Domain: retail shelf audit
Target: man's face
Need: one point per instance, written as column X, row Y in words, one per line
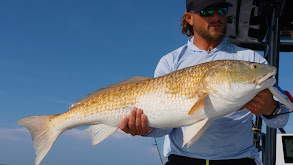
column 211, row 28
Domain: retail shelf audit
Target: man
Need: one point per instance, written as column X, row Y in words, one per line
column 228, row 140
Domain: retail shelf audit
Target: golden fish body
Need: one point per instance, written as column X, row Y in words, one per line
column 192, row 97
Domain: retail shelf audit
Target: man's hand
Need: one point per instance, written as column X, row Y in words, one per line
column 262, row 104
column 136, row 123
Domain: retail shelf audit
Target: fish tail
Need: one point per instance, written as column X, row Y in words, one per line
column 43, row 135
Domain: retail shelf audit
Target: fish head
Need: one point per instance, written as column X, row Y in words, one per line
column 234, row 79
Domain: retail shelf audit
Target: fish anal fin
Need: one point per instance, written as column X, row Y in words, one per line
column 193, row 132
column 199, row 104
column 100, row 132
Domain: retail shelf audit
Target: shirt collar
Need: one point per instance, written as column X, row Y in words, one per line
column 193, row 48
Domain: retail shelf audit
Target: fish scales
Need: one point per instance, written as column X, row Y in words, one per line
column 181, row 84
column 191, row 97
column 117, row 102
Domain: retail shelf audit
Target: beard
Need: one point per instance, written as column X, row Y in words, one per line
column 214, row 35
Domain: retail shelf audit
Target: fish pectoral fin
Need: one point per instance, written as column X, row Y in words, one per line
column 199, row 104
column 193, row 132
column 284, row 99
column 100, row 132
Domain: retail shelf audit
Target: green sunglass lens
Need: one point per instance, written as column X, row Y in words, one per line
column 222, row 11
column 206, row 12
column 210, row 11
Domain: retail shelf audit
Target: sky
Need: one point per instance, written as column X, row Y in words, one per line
column 53, row 53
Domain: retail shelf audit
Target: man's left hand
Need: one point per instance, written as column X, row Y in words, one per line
column 262, row 104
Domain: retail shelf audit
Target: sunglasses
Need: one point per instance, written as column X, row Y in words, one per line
column 210, row 11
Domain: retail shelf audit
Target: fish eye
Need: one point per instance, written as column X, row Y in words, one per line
column 254, row 66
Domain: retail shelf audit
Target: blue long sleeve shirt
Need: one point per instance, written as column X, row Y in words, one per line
column 229, row 137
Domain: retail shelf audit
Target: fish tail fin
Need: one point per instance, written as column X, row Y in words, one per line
column 43, row 135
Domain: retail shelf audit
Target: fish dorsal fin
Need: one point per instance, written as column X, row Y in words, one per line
column 199, row 104
column 110, row 87
column 127, row 81
column 193, row 132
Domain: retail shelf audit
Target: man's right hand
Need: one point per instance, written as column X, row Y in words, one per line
column 136, row 123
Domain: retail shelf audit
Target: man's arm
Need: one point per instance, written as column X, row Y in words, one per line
column 264, row 104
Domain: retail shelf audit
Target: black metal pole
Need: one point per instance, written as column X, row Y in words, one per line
column 269, row 152
column 273, row 59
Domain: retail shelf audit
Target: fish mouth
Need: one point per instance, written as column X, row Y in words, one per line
column 265, row 78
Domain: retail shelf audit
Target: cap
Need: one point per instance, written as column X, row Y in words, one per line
column 198, row 5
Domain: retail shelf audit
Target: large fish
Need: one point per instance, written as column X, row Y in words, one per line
column 193, row 97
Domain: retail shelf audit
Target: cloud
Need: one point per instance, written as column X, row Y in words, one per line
column 85, row 134
column 76, row 143
column 120, row 135
column 78, row 134
column 18, row 134
column 15, row 134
